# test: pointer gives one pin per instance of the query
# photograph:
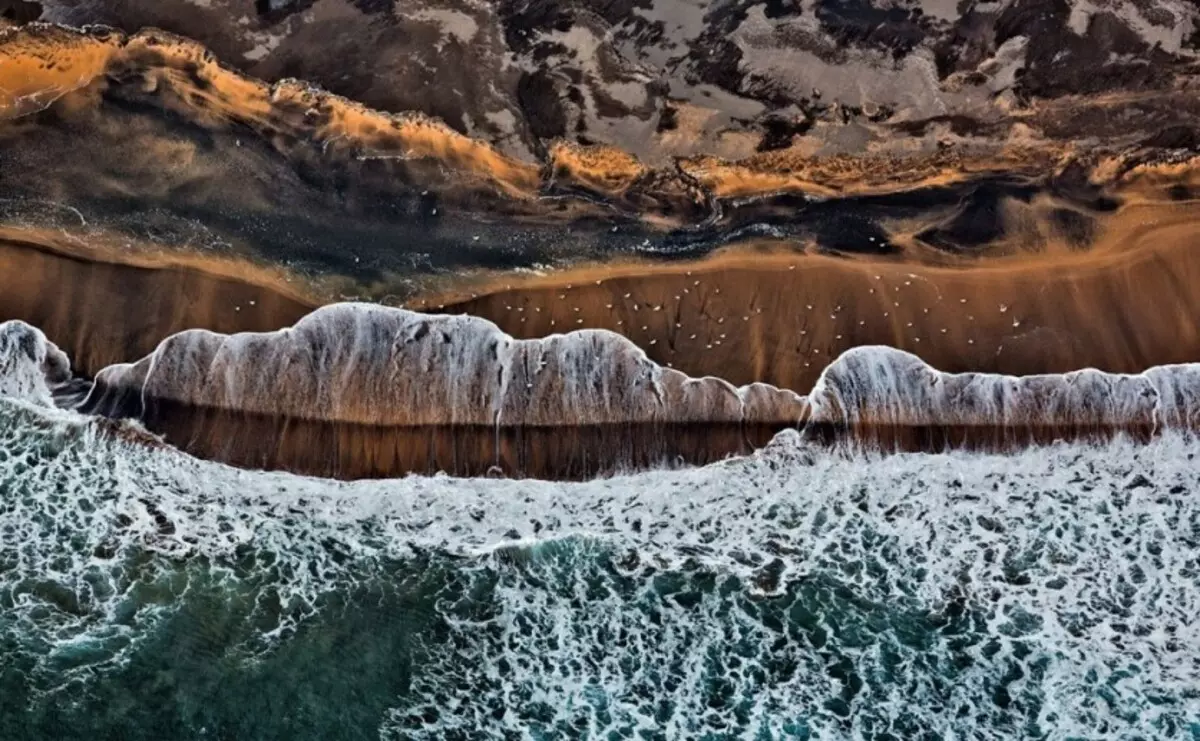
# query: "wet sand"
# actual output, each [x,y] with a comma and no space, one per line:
[355,451]
[995,438]
[105,312]
[1130,302]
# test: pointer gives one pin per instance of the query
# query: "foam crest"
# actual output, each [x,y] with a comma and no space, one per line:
[577,404]
[30,365]
[889,387]
[368,364]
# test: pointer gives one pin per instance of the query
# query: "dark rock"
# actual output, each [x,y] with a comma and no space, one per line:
[1175,137]
[20,11]
[1138,482]
[778,132]
[892,28]
[538,97]
[978,222]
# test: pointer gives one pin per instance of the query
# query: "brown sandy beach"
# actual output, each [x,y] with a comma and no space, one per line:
[104,307]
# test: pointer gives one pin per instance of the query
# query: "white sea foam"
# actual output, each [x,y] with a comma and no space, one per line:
[1053,592]
[376,365]
[30,365]
[1076,565]
[370,364]
[883,385]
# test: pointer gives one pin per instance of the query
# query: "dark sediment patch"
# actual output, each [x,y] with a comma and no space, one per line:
[1108,56]
[1074,227]
[979,221]
[1175,137]
[848,233]
[19,11]
[779,131]
[539,100]
[1179,192]
[890,28]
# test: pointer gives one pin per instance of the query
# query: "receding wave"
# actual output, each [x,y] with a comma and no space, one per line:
[30,364]
[892,398]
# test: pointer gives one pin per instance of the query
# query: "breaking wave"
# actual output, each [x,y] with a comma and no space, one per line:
[360,390]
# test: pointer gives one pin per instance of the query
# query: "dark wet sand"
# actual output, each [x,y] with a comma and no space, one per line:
[981,438]
[349,451]
[568,452]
